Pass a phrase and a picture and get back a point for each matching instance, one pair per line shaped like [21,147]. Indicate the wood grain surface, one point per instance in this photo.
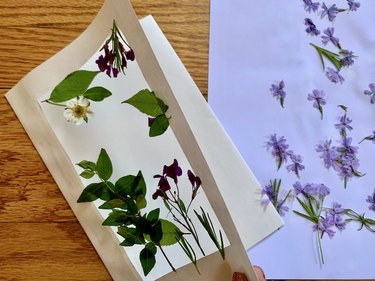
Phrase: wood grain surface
[40,239]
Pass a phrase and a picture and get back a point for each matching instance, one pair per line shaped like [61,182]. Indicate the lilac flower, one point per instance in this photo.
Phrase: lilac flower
[340,223]
[347,59]
[369,138]
[270,192]
[322,190]
[336,213]
[307,190]
[296,166]
[195,183]
[371,199]
[327,153]
[346,147]
[330,12]
[371,93]
[353,6]
[334,76]
[328,37]
[318,97]
[278,148]
[311,6]
[337,209]
[311,28]
[277,90]
[324,226]
[281,209]
[344,125]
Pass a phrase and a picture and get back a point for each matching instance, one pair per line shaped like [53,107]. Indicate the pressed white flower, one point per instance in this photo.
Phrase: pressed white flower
[78,110]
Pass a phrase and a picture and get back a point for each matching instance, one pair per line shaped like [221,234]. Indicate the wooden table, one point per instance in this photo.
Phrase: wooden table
[40,238]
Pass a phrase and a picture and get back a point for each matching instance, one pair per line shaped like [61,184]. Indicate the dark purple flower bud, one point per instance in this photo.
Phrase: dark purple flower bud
[173,171]
[353,6]
[334,76]
[130,55]
[330,12]
[102,63]
[160,193]
[195,183]
[311,28]
[150,121]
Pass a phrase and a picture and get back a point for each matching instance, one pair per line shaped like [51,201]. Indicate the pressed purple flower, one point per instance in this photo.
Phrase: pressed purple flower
[296,165]
[269,191]
[340,223]
[307,190]
[322,190]
[344,124]
[311,27]
[328,153]
[371,200]
[318,97]
[173,171]
[281,208]
[369,138]
[328,37]
[330,12]
[334,76]
[371,93]
[353,6]
[347,58]
[277,90]
[311,6]
[163,188]
[346,147]
[325,226]
[337,209]
[195,183]
[278,149]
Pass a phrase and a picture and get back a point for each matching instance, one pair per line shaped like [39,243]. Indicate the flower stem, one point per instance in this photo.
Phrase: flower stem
[165,255]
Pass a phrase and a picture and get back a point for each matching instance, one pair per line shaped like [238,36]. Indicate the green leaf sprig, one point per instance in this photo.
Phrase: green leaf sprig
[126,198]
[147,102]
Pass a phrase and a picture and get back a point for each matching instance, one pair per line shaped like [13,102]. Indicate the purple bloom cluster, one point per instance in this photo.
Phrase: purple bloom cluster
[371,200]
[311,6]
[279,150]
[343,158]
[330,12]
[333,218]
[271,190]
[328,37]
[334,76]
[277,90]
[318,98]
[347,58]
[353,6]
[371,93]
[311,27]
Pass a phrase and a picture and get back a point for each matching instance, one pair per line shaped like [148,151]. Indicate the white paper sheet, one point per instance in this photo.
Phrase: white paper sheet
[122,130]
[252,45]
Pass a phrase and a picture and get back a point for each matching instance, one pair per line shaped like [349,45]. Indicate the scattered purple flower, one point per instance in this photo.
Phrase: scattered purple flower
[281,208]
[296,165]
[353,6]
[330,12]
[344,124]
[347,58]
[371,93]
[318,97]
[325,226]
[328,154]
[311,27]
[311,6]
[278,147]
[277,90]
[371,200]
[328,37]
[334,76]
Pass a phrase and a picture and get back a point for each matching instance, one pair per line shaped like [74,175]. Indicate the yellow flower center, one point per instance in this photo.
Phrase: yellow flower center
[79,111]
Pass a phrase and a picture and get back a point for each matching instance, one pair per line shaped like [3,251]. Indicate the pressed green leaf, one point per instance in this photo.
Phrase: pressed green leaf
[87,165]
[104,165]
[115,218]
[153,215]
[141,202]
[97,94]
[147,259]
[91,192]
[114,203]
[73,85]
[140,187]
[159,126]
[169,233]
[124,185]
[182,205]
[156,232]
[87,174]
[146,102]
[151,246]
[132,236]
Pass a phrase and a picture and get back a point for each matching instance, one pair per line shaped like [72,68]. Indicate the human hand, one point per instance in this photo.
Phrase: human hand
[237,276]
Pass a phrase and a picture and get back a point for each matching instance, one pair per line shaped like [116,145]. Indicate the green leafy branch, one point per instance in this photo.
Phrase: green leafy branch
[126,198]
[368,223]
[147,102]
[334,58]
